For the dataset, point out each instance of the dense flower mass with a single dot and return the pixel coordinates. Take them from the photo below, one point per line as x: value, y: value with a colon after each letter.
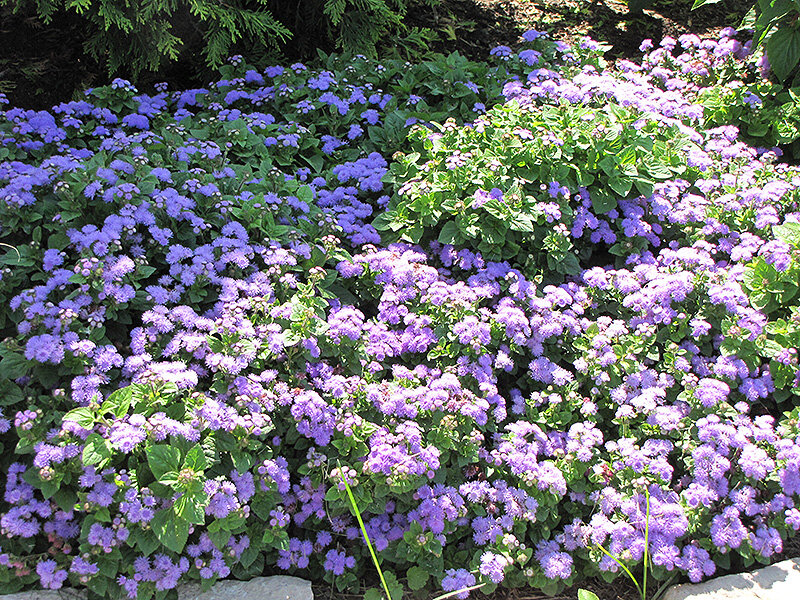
x: 560, y: 317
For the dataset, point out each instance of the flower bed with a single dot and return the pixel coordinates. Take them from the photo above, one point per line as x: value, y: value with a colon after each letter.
x: 578, y: 328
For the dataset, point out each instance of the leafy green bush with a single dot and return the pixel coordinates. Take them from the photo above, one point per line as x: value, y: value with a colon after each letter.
x: 509, y: 185
x: 766, y: 113
x: 775, y: 25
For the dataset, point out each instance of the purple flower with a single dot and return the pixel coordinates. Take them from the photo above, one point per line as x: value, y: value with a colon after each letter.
x: 554, y: 563
x: 457, y: 579
x: 493, y: 566
x: 50, y: 577
x: 337, y: 562
x: 710, y: 392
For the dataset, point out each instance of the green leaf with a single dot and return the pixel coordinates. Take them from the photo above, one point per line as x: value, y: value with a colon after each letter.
x: 242, y: 461
x: 17, y: 257
x: 220, y: 537
x: 96, y: 451
x: 163, y: 459
x: 602, y: 202
x: 146, y: 186
x: 170, y: 530
x: 586, y: 594
x: 192, y: 507
x: 195, y: 459
x: 449, y: 233
x: 621, y: 185
x: 10, y: 393
x: 789, y: 232
x: 146, y: 541
x: 384, y: 220
x: 66, y: 499
x: 118, y: 402
x: 145, y: 271
x: 373, y: 594
x: 783, y: 51
x: 83, y: 416
x: 13, y: 365
x: 417, y: 578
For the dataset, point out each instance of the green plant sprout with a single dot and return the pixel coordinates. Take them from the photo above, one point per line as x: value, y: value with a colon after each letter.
x: 643, y: 588
x: 377, y: 564
x: 364, y: 531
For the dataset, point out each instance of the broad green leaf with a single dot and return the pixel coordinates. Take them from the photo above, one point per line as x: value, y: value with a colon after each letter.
x: 417, y: 578
x: 602, y: 202
x: 220, y: 538
x: 169, y: 478
x: 789, y: 232
x: 242, y: 461
x: 522, y: 222
x: 163, y: 459
x: 10, y: 393
x: 192, y: 507
x: 586, y: 594
x: 146, y: 541
x: 373, y: 594
x: 145, y: 271
x: 14, y: 365
x: 118, y: 402
x: 83, y: 416
x: 195, y: 459
x: 171, y: 530
x: 17, y: 257
x: 783, y: 51
x: 66, y: 499
x: 96, y: 451
x: 621, y: 185
x: 449, y: 233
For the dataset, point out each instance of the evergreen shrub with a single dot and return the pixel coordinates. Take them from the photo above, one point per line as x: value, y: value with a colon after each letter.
x: 130, y: 37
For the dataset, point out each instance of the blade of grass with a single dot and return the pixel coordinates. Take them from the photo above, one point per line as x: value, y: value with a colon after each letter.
x: 364, y: 531
x: 646, y: 542
x: 624, y: 568
x: 456, y: 592
x: 660, y: 591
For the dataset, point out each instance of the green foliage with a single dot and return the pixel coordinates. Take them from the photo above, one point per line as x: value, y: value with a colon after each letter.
x: 359, y: 24
x: 772, y: 283
x: 773, y: 122
x: 507, y: 186
x: 776, y: 27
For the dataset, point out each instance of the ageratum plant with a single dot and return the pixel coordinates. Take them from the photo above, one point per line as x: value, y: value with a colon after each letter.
x: 209, y: 338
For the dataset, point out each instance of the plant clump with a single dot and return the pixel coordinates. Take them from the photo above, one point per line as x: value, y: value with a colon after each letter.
x: 212, y: 353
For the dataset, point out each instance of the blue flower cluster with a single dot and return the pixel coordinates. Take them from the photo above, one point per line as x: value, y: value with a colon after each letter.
x: 207, y: 336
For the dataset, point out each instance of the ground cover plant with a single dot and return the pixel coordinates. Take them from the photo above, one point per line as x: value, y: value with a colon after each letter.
x: 561, y: 316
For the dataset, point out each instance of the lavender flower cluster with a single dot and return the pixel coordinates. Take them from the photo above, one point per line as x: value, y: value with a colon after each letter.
x: 206, y: 337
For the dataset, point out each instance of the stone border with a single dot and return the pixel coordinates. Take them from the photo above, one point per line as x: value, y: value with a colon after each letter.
x: 780, y: 581
x: 278, y: 587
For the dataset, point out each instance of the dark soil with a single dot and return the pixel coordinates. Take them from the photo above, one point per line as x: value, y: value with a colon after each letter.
x: 44, y: 64
x: 474, y: 26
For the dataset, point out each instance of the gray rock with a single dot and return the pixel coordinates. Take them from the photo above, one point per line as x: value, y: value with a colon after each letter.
x: 780, y: 581
x: 278, y: 587
x: 63, y: 594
